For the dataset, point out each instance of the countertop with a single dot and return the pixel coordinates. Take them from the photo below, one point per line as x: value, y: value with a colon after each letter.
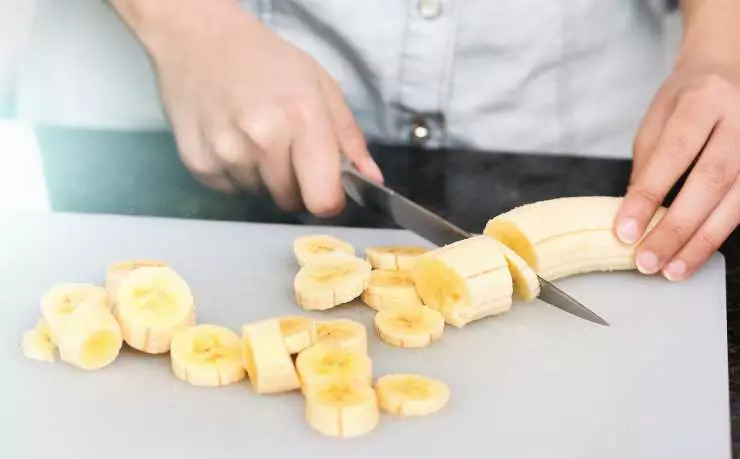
x: 139, y: 173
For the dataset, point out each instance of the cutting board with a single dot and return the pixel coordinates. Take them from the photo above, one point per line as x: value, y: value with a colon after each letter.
x: 533, y: 383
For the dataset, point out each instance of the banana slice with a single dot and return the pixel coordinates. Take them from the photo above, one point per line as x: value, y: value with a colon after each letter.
x: 526, y: 284
x: 342, y: 332
x: 37, y: 343
x: 342, y: 408
x: 207, y: 355
x: 394, y: 257
x: 324, y: 284
x: 116, y: 272
x: 412, y: 326
x: 465, y: 281
x: 317, y: 247
x: 152, y: 303
x: 577, y: 238
x: 411, y: 394
x: 389, y: 289
x: 91, y: 338
x: 324, y: 363
x: 61, y: 300
x: 298, y: 332
x: 266, y: 359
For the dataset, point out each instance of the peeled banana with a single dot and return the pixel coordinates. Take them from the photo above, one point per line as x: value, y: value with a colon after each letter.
x: 326, y: 283
x: 389, y: 289
x: 266, y: 359
x: 61, y: 300
x: 566, y: 236
x: 342, y: 332
x: 324, y: 363
x: 116, y: 272
x: 342, y: 408
x: 318, y: 247
x: 394, y: 257
x: 465, y: 281
x: 411, y: 394
x: 207, y: 355
x: 298, y: 332
x: 37, y: 343
x: 526, y: 283
x: 412, y: 326
x: 152, y: 303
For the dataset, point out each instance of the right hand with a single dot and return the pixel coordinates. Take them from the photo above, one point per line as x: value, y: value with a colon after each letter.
x: 248, y: 108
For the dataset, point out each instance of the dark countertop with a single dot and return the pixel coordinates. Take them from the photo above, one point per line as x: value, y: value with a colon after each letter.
x: 139, y: 173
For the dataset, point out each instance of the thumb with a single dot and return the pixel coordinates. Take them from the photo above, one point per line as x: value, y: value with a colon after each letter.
x: 349, y: 135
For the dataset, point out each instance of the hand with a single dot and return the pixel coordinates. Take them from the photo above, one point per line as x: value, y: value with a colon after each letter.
x: 247, y: 108
x: 695, y: 117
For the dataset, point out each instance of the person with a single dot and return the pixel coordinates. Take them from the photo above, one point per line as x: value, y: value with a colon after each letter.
x: 246, y: 89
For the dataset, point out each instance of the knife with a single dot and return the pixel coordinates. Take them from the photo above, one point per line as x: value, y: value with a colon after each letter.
x: 411, y: 216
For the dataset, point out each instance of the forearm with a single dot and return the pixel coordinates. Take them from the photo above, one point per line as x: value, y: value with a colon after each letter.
x: 711, y: 30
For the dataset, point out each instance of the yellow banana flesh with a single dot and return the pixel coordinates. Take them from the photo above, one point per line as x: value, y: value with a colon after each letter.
x: 91, y: 338
x: 342, y: 332
x: 207, y: 355
x: 388, y: 289
x: 116, y: 272
x: 411, y: 394
x: 526, y: 284
x: 61, y: 300
x: 298, y: 332
x: 327, y: 283
x: 412, y: 326
x: 37, y: 343
x: 266, y: 359
x: 152, y: 303
x: 344, y: 409
x: 323, y: 363
x: 394, y: 257
x: 317, y: 247
x: 465, y: 281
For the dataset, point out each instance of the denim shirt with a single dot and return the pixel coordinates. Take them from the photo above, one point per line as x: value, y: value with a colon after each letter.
x: 568, y: 76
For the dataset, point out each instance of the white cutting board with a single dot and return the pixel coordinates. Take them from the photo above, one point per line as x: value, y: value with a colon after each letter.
x: 533, y: 383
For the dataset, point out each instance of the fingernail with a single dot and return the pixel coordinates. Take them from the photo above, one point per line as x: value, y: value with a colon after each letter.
x: 627, y: 231
x: 647, y: 263
x: 676, y: 270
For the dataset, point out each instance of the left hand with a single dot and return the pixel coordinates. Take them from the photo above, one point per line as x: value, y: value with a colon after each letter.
x: 695, y: 116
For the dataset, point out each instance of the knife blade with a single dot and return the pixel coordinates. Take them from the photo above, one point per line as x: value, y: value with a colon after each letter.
x: 415, y: 218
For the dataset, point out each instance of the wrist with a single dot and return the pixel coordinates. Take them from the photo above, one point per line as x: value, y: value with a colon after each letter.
x: 711, y: 33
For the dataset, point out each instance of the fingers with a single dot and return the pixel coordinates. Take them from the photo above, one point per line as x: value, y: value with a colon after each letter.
x: 315, y: 156
x: 235, y: 153
x: 710, y: 236
x: 648, y: 133
x: 684, y: 135
x: 710, y: 180
x: 349, y: 136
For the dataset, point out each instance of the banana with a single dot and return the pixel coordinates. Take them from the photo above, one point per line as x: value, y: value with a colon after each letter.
x: 324, y: 363
x: 566, y: 236
x: 298, y: 332
x: 465, y: 281
x: 266, y: 359
x: 152, y: 303
x: 91, y: 338
x: 61, y: 300
x: 327, y: 283
x: 342, y: 332
x: 37, y: 343
x: 526, y: 284
x: 343, y: 408
x: 394, y: 257
x: 389, y: 289
x: 412, y: 326
x: 317, y: 247
x: 411, y: 394
x: 116, y: 272
x: 207, y: 355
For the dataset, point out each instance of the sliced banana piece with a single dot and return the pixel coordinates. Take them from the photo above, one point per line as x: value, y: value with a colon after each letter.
x: 152, y: 303
x: 324, y: 284
x: 37, y: 343
x: 91, y: 338
x: 116, y: 272
x: 526, y: 284
x: 577, y: 237
x: 394, y: 257
x: 266, y: 359
x: 465, y: 281
x: 411, y: 394
x: 324, y: 363
x: 412, y: 326
x: 207, y: 355
x: 342, y: 408
x: 389, y: 289
x: 342, y: 332
x: 317, y: 247
x: 61, y: 300
x: 299, y: 332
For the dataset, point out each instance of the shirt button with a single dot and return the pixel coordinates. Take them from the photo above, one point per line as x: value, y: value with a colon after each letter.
x: 420, y: 131
x: 430, y: 9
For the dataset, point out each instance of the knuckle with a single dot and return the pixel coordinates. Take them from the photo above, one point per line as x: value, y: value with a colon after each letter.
x: 676, y: 148
x: 327, y: 206
x: 198, y: 164
x: 648, y: 195
x: 715, y: 86
x: 674, y: 230
x: 707, y: 242
x: 715, y: 174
